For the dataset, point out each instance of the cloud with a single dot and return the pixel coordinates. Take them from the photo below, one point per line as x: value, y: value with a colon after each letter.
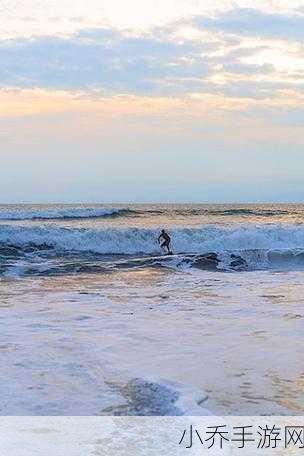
x: 245, y: 52
x: 253, y: 22
x: 159, y: 63
x: 100, y: 58
x: 257, y: 90
x: 249, y: 68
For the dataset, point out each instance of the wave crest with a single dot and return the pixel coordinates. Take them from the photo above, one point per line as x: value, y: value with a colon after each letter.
x: 64, y: 213
x: 132, y: 241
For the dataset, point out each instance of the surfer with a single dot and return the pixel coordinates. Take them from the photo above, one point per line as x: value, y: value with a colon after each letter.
x: 165, y: 240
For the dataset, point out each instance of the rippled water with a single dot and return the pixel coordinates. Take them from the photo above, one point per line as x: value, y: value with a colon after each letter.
x: 94, y: 320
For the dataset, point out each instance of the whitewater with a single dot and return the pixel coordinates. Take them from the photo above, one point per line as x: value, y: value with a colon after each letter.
x: 95, y: 319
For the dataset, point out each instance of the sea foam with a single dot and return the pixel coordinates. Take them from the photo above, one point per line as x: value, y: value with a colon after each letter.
x: 132, y: 241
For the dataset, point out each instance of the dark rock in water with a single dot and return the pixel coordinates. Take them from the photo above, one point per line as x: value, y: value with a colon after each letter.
x: 238, y: 262
x: 15, y: 251
x: 210, y: 261
x: 32, y: 247
x: 9, y: 250
x: 206, y: 261
x: 145, y: 398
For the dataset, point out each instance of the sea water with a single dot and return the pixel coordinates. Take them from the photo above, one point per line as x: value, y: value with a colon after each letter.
x: 96, y: 320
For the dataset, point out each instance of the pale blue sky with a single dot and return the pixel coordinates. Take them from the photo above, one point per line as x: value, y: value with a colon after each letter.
x: 179, y: 101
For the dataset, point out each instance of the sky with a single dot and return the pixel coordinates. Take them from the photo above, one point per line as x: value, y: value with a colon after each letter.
x: 151, y: 101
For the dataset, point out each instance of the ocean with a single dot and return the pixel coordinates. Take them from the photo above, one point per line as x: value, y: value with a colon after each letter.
x: 96, y: 320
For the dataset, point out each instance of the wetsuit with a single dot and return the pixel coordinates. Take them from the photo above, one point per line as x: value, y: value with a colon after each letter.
x: 166, y: 241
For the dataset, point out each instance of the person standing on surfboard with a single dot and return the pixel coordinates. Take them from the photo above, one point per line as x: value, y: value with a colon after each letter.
x: 165, y: 241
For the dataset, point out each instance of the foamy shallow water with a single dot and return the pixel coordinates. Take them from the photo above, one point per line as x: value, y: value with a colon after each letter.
x: 70, y: 345
x: 88, y: 334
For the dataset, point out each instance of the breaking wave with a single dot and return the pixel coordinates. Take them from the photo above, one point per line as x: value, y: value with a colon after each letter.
x: 158, y: 397
x: 249, y: 247
x: 64, y: 213
x: 144, y: 241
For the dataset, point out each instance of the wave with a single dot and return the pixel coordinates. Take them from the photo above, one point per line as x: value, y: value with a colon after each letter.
x: 250, y: 212
x: 259, y: 246
x: 130, y: 241
x: 158, y: 397
x: 64, y: 213
x: 231, y: 211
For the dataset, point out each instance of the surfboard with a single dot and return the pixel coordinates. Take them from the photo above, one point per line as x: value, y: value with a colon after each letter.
x: 162, y: 256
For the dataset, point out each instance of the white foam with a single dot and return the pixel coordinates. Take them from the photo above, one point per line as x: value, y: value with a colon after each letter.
x: 135, y: 241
